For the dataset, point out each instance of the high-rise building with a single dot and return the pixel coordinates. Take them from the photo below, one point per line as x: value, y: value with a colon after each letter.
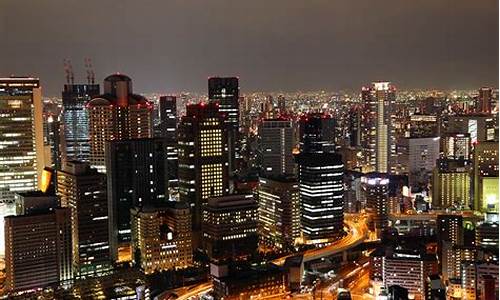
x: 376, y: 189
x: 203, y: 159
x: 226, y: 92
x: 161, y: 237
x: 83, y: 190
x: 117, y: 114
x: 230, y: 227
x: 451, y: 183
x: 52, y: 140
x: 417, y: 156
x: 479, y: 127
x: 409, y: 269
x: 321, y: 188
x: 137, y: 175
x: 485, y: 170
x: 450, y: 229
x: 456, y: 145
x: 167, y: 129
x: 75, y: 134
x: 378, y: 132
x: 277, y: 142
x: 21, y: 128
x: 484, y: 100
x: 279, y: 211
x: 38, y: 249
x: 487, y: 235
x: 355, y: 121
x: 317, y: 132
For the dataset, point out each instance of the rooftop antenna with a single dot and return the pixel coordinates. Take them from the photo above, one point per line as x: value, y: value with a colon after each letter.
x: 90, y: 71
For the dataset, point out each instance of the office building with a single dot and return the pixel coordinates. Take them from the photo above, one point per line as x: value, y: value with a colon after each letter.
x: 376, y: 190
x: 487, y: 235
x: 417, y: 157
x: 230, y: 227
x: 451, y: 183
x: 277, y: 142
x: 226, y: 92
x: 378, y: 132
x: 317, y: 132
x: 21, y: 127
x: 117, y: 114
x: 452, y: 257
x: 409, y: 269
x: 75, y: 120
x: 83, y: 190
x: 423, y: 125
x: 479, y: 127
x: 321, y: 189
x: 38, y: 249
x: 167, y: 129
x: 456, y: 146
x: 161, y: 237
x: 279, y: 212
x: 485, y: 170
x: 137, y: 175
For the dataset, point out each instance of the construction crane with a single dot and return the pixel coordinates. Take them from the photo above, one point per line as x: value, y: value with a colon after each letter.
x: 68, y: 70
x: 90, y: 71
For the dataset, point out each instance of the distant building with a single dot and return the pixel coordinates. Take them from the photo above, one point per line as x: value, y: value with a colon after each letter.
x: 83, y: 190
x: 75, y: 135
x: 277, y: 142
x: 117, y: 114
x: 484, y: 101
x: 279, y: 211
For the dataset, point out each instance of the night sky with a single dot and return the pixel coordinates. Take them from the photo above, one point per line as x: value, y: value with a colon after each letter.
x: 287, y: 45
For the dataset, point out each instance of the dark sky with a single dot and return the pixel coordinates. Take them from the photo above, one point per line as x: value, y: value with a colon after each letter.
x: 286, y: 45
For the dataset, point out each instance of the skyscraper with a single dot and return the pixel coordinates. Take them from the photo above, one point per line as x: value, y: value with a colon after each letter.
x: 321, y: 196
x: 378, y: 132
x: 277, y: 141
x: 484, y: 100
x: 279, y: 211
x: 451, y: 183
x: 203, y: 159
x: 21, y: 128
x: 317, y: 132
x: 137, y: 174
x: 167, y: 130
x: 83, y: 190
x: 75, y: 133
x: 116, y: 115
x: 376, y: 188
x: 226, y: 91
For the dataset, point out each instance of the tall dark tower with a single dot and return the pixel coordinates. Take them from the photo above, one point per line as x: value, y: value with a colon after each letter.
x: 317, y: 132
x: 203, y: 159
x: 76, y: 140
x: 226, y: 91
x: 167, y: 130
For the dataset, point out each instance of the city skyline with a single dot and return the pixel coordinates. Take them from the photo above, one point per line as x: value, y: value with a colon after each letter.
x: 273, y: 46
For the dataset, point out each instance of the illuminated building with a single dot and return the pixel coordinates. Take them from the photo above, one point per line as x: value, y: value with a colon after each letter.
x: 161, y: 237
x: 473, y: 276
x: 43, y: 199
x: 38, y: 249
x: 378, y: 133
x: 230, y: 227
x: 435, y: 288
x: 117, y: 114
x: 203, y: 159
x: 451, y: 183
x: 355, y: 119
x: 248, y: 283
x: 452, y: 258
x: 137, y: 174
x: 321, y: 189
x: 479, y: 127
x: 456, y: 146
x: 277, y: 142
x: 21, y: 147
x: 52, y: 140
x: 469, y: 283
x: 317, y: 132
x: 75, y: 137
x: 484, y: 100
x: 417, y: 157
x: 487, y: 235
x: 168, y: 131
x: 423, y: 126
x: 409, y: 269
x: 226, y: 92
x: 486, y: 196
x: 376, y: 189
x: 279, y: 211
x: 83, y: 190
